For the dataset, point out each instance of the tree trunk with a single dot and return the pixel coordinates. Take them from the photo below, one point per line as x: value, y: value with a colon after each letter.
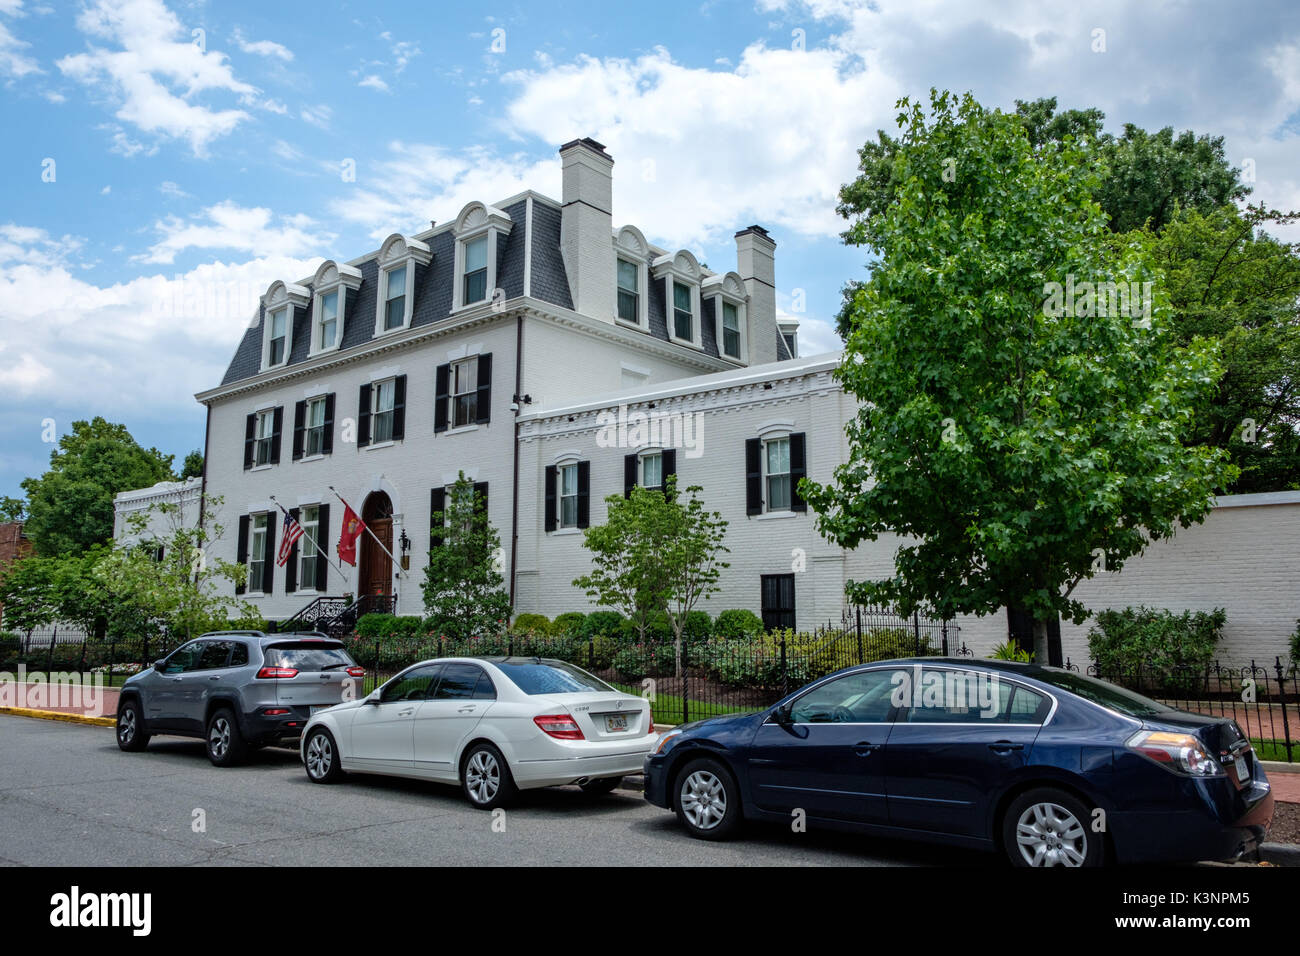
x: 1040, y: 641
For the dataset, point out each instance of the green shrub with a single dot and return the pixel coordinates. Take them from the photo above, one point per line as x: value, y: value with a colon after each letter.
x: 736, y: 623
x: 659, y: 629
x: 531, y: 623
x: 697, y: 627
x: 887, y: 643
x: 1155, y: 641
x: 602, y: 624
x: 1011, y: 651
x: 569, y: 624
x: 1295, y: 646
x: 376, y: 625
x: 633, y: 661
x: 747, y: 662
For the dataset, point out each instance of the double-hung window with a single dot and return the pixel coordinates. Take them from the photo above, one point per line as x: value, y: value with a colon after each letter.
x: 776, y: 454
x: 278, y: 347
x: 569, y: 495
x: 263, y: 437
x: 310, y: 522
x: 730, y: 330
x: 257, y: 556
x: 464, y: 392
x: 652, y: 470
x: 683, y: 317
x: 329, y: 320
x: 395, y: 298
x: 629, y: 304
x: 381, y: 421
x: 476, y: 270
x: 315, y: 439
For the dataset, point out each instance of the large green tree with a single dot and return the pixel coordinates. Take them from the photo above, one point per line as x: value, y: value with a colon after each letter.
x: 70, y: 507
x: 1018, y: 440
x: 464, y: 589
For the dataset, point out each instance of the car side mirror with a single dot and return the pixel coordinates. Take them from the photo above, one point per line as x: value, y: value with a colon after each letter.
x: 158, y: 664
x: 372, y: 697
x: 782, y: 715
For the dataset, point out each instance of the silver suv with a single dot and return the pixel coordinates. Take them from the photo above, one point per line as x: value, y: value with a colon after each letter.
x: 237, y: 690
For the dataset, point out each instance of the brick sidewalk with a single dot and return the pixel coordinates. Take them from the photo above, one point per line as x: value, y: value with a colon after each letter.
x: 1286, y: 786
x: 61, y: 699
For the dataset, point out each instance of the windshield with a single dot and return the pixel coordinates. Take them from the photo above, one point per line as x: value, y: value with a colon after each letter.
x: 550, y: 677
x: 1100, y: 692
x: 308, y: 656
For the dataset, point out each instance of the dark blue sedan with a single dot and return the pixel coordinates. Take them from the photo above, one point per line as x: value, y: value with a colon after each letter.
x: 1048, y: 766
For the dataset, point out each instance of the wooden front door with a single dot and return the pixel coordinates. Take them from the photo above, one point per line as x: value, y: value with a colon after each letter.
x: 376, y: 566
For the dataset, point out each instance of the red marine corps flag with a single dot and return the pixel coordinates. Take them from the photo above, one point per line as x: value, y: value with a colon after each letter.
x: 353, y: 527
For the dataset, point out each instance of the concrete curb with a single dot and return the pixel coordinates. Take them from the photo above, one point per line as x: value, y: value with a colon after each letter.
x: 1280, y: 854
x: 1279, y: 766
x: 56, y: 715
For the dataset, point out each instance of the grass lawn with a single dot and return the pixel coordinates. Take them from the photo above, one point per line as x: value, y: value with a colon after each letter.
x: 667, y: 708
x: 82, y: 678
x: 1275, y: 749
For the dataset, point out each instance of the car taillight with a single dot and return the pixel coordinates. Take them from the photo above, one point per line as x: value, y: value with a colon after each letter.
x: 356, y: 672
x: 271, y: 673
x: 275, y: 712
x: 650, y: 719
x: 1181, y: 753
x: 560, y: 726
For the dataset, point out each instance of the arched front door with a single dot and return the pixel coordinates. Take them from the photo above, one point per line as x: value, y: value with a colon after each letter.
x: 376, y: 565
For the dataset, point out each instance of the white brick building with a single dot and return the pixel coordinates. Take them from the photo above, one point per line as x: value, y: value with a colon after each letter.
x: 503, y: 344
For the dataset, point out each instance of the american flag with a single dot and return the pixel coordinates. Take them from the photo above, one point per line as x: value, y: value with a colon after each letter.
x: 292, y: 532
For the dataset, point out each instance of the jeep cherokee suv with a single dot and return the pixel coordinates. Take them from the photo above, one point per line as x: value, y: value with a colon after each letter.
x: 236, y: 690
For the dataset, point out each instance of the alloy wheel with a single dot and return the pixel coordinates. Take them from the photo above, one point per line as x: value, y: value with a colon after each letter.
x: 219, y: 737
x: 482, y: 777
x: 320, y: 756
x: 126, y: 726
x: 1050, y: 835
x: 704, y: 800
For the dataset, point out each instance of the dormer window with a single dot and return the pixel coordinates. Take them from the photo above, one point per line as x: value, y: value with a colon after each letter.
x: 629, y: 292
x: 730, y: 330
x: 477, y: 230
x: 476, y: 271
x: 631, y: 278
x: 280, y: 301
x: 332, y: 284
x: 398, y: 259
x: 681, y: 275
x: 727, y: 293
x: 683, y: 316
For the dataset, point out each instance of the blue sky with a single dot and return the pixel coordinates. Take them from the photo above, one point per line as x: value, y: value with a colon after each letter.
x: 166, y: 161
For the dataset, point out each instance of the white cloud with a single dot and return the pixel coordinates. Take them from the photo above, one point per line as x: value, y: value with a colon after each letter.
x: 54, y: 96
x: 318, y: 115
x: 155, y: 72
x: 229, y: 226
x: 375, y: 83
x: 171, y: 190
x: 13, y: 61
x: 262, y: 47
x: 106, y: 190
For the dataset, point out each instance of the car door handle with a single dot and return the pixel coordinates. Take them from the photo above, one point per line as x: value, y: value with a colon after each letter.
x: 406, y: 713
x: 467, y: 709
x: 1005, y: 747
x: 214, y: 678
x: 864, y: 748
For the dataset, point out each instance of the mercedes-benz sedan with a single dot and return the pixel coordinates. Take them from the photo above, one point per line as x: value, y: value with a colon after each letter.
x: 1045, y: 765
x: 493, y: 725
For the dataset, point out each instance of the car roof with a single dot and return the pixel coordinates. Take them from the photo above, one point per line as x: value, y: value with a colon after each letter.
x: 265, y: 639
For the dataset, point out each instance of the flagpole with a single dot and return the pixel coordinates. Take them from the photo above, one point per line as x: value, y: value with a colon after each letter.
x: 316, y: 544
x: 396, y: 567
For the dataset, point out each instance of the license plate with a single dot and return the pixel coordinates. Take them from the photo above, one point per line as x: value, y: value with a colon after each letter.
x: 615, y: 722
x: 317, y: 709
x: 1243, y: 771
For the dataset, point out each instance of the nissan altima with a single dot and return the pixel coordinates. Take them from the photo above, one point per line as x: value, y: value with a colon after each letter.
x: 493, y: 725
x: 1048, y: 766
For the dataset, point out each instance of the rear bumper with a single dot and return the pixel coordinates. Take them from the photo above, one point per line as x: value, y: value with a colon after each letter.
x: 557, y: 771
x: 1200, y: 833
x: 260, y: 725
x: 655, y: 769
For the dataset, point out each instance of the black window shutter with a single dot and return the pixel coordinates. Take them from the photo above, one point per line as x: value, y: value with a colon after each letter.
x: 481, y: 492
x: 268, y: 558
x: 442, y: 386
x: 584, y: 487
x: 753, y: 476
x: 277, y: 425
x: 484, y: 401
x: 629, y: 474
x: 241, y: 552
x: 437, y: 521
x: 399, y: 407
x: 363, y: 416
x: 291, y: 566
x: 323, y: 537
x: 669, y: 465
x: 798, y: 469
x: 550, y: 498
x: 250, y: 430
x: 299, y: 427
x: 327, y: 438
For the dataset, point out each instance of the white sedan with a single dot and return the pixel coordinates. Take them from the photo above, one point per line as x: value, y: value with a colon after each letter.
x: 492, y: 725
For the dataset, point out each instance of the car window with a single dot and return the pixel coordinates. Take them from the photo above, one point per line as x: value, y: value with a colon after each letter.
x: 1027, y: 707
x: 413, y: 685
x: 239, y: 655
x: 485, y: 689
x: 860, y: 698
x: 308, y: 656
x: 1101, y: 692
x: 214, y: 654
x: 458, y: 682
x: 185, y: 658
x: 534, y: 676
x: 945, y: 695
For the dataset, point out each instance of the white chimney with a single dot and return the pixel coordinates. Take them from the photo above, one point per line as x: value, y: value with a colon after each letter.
x: 756, y: 263
x: 587, y: 226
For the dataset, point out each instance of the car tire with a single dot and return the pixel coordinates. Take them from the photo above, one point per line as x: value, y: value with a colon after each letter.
x: 321, y: 757
x: 131, y: 736
x: 600, y: 786
x: 707, y: 800
x: 485, y: 778
x: 1050, y: 827
x: 224, y: 742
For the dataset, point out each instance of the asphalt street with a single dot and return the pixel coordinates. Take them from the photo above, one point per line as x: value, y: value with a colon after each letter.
x: 69, y: 797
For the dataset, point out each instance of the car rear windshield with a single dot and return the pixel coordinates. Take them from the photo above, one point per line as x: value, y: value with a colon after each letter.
x: 308, y: 656
x: 1100, y: 692
x: 550, y: 677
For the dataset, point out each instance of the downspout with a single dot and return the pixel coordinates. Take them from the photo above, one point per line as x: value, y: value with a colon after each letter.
x: 203, y: 484
x: 514, y: 490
